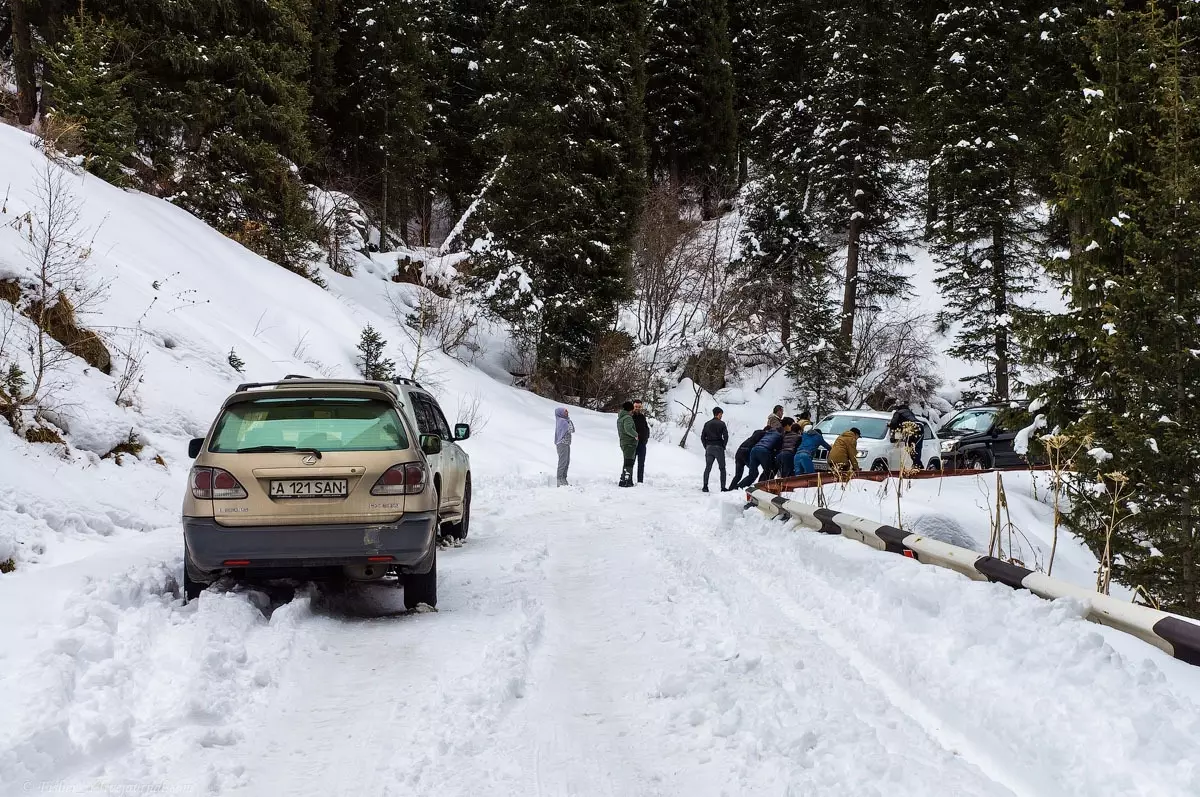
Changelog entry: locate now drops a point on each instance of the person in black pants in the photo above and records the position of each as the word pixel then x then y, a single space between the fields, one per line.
pixel 742 457
pixel 714 437
pixel 643 430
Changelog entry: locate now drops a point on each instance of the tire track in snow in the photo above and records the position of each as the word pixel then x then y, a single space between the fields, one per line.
pixel 1026 684
pixel 875 678
pixel 774 620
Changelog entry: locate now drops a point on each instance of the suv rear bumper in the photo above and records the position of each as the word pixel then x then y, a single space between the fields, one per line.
pixel 409 541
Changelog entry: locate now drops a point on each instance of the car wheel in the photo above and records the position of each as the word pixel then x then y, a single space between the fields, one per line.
pixel 421 587
pixel 979 462
pixel 933 464
pixel 460 529
pixel 880 466
pixel 191 587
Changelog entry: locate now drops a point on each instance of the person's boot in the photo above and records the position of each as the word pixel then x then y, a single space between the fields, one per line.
pixel 626 479
pixel 704 489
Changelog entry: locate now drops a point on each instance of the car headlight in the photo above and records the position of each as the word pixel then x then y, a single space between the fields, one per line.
pixel 949 445
pixel 861 454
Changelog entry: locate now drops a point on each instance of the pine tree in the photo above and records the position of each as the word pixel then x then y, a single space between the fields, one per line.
pixel 371 362
pixel 861 183
pixel 784 266
pixel 221 112
pixel 379 127
pixel 89 89
pixel 982 228
pixel 455 33
pixel 557 224
pixel 690 98
pixel 1123 353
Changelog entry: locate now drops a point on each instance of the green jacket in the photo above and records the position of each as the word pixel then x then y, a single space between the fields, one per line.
pixel 627 433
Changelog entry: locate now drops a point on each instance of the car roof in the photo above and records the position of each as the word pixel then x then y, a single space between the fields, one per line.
pixel 862 414
pixel 248 391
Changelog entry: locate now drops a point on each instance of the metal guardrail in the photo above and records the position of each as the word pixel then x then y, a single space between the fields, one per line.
pixel 1176 635
pixel 778 486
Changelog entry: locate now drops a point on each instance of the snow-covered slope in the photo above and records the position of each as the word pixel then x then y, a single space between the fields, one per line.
pixel 195 295
pixel 589 641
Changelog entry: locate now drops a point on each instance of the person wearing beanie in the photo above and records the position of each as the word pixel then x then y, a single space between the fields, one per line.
pixel 714 437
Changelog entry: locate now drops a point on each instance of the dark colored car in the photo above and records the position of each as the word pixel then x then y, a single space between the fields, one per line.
pixel 981 438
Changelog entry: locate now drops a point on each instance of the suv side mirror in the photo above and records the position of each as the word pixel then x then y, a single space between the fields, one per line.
pixel 431 444
pixel 462 431
pixel 195 447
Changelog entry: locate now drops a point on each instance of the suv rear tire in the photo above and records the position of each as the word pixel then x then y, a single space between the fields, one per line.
pixel 460 529
pixel 421 587
pixel 191 587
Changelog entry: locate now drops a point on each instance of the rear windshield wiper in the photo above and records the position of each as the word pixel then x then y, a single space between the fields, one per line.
pixel 277 449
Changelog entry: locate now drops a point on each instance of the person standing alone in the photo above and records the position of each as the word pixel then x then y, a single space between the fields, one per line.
pixel 564 428
pixel 627 436
pixel 714 437
pixel 643 432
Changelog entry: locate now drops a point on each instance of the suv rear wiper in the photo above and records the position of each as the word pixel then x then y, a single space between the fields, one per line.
pixel 278 449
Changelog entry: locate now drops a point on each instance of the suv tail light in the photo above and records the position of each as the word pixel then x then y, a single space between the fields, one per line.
pixel 214 483
pixel 406 479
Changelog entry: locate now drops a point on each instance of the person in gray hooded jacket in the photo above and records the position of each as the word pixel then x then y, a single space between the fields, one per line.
pixel 564 428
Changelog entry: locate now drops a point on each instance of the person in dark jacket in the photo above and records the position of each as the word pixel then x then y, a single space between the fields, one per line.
pixel 771 469
pixel 787 452
pixel 643 431
pixel 913 441
pixel 742 456
pixel 762 455
pixel 714 437
pixel 811 442
pixel 627 437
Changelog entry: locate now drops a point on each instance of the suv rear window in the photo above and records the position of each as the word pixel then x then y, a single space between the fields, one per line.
pixel 326 424
pixel 874 428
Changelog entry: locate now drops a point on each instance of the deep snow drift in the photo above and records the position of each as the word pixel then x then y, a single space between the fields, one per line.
pixel 589 641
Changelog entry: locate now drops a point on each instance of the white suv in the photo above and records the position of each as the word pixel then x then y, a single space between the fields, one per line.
pixel 876 448
pixel 450 469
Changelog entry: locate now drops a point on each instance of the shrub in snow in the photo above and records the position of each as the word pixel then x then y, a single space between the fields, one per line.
pixel 235 362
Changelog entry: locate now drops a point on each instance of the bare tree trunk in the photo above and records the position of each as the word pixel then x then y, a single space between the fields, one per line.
pixel 383 200
pixel 24 62
pixel 1000 309
pixel 850 292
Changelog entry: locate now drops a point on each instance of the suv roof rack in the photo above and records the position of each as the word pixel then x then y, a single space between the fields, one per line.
pixel 292 378
pixel 403 380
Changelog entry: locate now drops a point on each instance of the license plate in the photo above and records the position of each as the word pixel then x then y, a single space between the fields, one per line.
pixel 310 488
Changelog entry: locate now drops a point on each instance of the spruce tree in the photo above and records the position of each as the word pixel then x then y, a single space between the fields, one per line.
pixel 785 265
pixel 221 112
pixel 455 33
pixel 861 182
pixel 381 118
pixel 982 228
pixel 690 98
pixel 371 362
pixel 556 227
pixel 1123 354
pixel 89 83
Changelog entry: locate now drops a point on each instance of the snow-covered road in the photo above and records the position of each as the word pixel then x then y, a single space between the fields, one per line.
pixel 591 641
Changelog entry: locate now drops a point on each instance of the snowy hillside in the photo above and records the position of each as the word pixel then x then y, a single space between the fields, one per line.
pixel 588 641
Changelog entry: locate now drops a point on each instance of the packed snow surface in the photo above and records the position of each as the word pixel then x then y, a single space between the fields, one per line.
pixel 589 640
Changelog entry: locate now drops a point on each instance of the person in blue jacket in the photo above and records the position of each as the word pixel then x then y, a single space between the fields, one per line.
pixel 811 441
pixel 762 456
